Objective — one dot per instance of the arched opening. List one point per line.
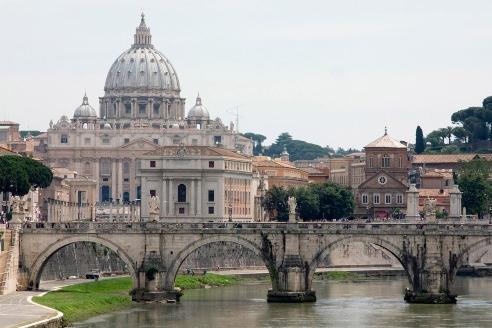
(205, 252)
(478, 253)
(181, 193)
(372, 249)
(78, 256)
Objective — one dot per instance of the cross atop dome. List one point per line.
(142, 37)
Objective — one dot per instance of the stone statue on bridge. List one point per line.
(154, 208)
(292, 203)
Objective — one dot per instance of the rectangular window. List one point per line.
(126, 180)
(211, 196)
(126, 140)
(399, 199)
(385, 161)
(387, 198)
(211, 164)
(181, 210)
(156, 141)
(141, 108)
(128, 108)
(211, 210)
(156, 109)
(370, 162)
(400, 162)
(375, 199)
(105, 141)
(152, 193)
(152, 163)
(64, 139)
(217, 140)
(365, 199)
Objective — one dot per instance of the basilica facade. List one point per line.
(141, 111)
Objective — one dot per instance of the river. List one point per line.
(371, 303)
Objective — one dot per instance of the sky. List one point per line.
(328, 72)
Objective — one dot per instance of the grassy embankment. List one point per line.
(82, 301)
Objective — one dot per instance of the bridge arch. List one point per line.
(38, 265)
(461, 258)
(183, 254)
(386, 245)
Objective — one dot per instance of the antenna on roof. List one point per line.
(235, 111)
(385, 130)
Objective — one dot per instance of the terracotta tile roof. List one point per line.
(445, 158)
(8, 123)
(438, 174)
(5, 151)
(196, 151)
(264, 161)
(385, 142)
(433, 193)
(312, 171)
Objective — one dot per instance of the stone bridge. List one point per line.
(430, 253)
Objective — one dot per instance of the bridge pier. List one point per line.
(291, 286)
(433, 289)
(291, 280)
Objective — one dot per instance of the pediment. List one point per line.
(390, 182)
(139, 144)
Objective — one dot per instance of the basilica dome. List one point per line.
(142, 67)
(85, 110)
(198, 112)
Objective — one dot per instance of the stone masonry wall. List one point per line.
(79, 258)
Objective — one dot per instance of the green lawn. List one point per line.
(82, 301)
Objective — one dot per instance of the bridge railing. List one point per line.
(307, 227)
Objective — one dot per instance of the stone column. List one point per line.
(96, 176)
(192, 198)
(171, 198)
(120, 180)
(114, 178)
(455, 203)
(199, 205)
(164, 198)
(412, 203)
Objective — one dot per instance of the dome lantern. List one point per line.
(142, 37)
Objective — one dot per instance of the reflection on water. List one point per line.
(340, 304)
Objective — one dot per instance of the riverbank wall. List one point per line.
(79, 258)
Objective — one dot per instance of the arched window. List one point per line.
(181, 193)
(385, 161)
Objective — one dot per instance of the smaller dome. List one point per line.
(198, 112)
(85, 110)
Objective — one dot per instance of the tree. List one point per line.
(257, 142)
(335, 201)
(297, 149)
(460, 134)
(419, 141)
(308, 203)
(314, 202)
(475, 186)
(18, 174)
(275, 202)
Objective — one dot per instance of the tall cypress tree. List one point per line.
(419, 141)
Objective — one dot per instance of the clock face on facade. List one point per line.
(382, 180)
